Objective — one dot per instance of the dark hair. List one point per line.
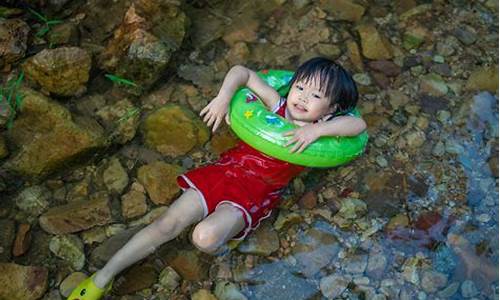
(335, 82)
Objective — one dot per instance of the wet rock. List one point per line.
(343, 10)
(434, 85)
(63, 71)
(442, 69)
(7, 235)
(334, 285)
(137, 278)
(13, 44)
(23, 240)
(410, 270)
(143, 44)
(203, 294)
(169, 280)
(448, 46)
(433, 281)
(351, 208)
(468, 289)
(52, 295)
(286, 219)
(205, 28)
(65, 33)
(415, 11)
(309, 200)
(431, 104)
(377, 263)
(238, 54)
(69, 248)
(103, 252)
(354, 55)
(201, 75)
(466, 35)
(42, 124)
(71, 282)
(477, 268)
(115, 177)
(188, 264)
(33, 200)
(414, 37)
(315, 248)
(228, 291)
(159, 179)
(355, 264)
(134, 202)
(120, 119)
(397, 99)
(362, 79)
(243, 29)
(263, 241)
(415, 139)
(76, 216)
(386, 67)
(449, 291)
(223, 140)
(483, 79)
(22, 282)
(174, 131)
(493, 164)
(397, 221)
(375, 46)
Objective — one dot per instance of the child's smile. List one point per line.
(306, 102)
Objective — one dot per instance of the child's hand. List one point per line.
(302, 137)
(215, 111)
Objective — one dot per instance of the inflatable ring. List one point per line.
(252, 122)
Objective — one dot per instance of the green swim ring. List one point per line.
(252, 122)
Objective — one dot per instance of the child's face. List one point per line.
(306, 103)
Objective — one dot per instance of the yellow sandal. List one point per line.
(87, 290)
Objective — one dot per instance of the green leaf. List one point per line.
(42, 31)
(53, 22)
(120, 80)
(39, 16)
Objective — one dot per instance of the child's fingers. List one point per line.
(291, 141)
(296, 146)
(204, 110)
(207, 117)
(288, 133)
(216, 125)
(211, 121)
(303, 147)
(228, 121)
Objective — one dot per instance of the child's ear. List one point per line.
(333, 108)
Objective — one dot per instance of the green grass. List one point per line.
(13, 98)
(121, 81)
(47, 24)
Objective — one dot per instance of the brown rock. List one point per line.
(238, 54)
(188, 264)
(173, 130)
(134, 202)
(76, 216)
(22, 282)
(385, 66)
(22, 241)
(63, 71)
(381, 80)
(493, 164)
(343, 10)
(4, 152)
(139, 277)
(7, 235)
(241, 30)
(354, 55)
(223, 140)
(309, 200)
(13, 39)
(483, 79)
(159, 179)
(203, 295)
(374, 45)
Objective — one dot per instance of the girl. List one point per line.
(232, 196)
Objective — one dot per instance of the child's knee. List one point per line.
(206, 238)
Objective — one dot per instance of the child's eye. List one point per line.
(316, 96)
(299, 87)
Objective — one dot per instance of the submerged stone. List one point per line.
(159, 179)
(69, 248)
(22, 282)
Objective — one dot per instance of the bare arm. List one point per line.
(238, 76)
(339, 126)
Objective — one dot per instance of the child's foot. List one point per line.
(87, 290)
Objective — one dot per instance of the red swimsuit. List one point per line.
(245, 178)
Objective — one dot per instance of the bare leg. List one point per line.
(184, 211)
(219, 227)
